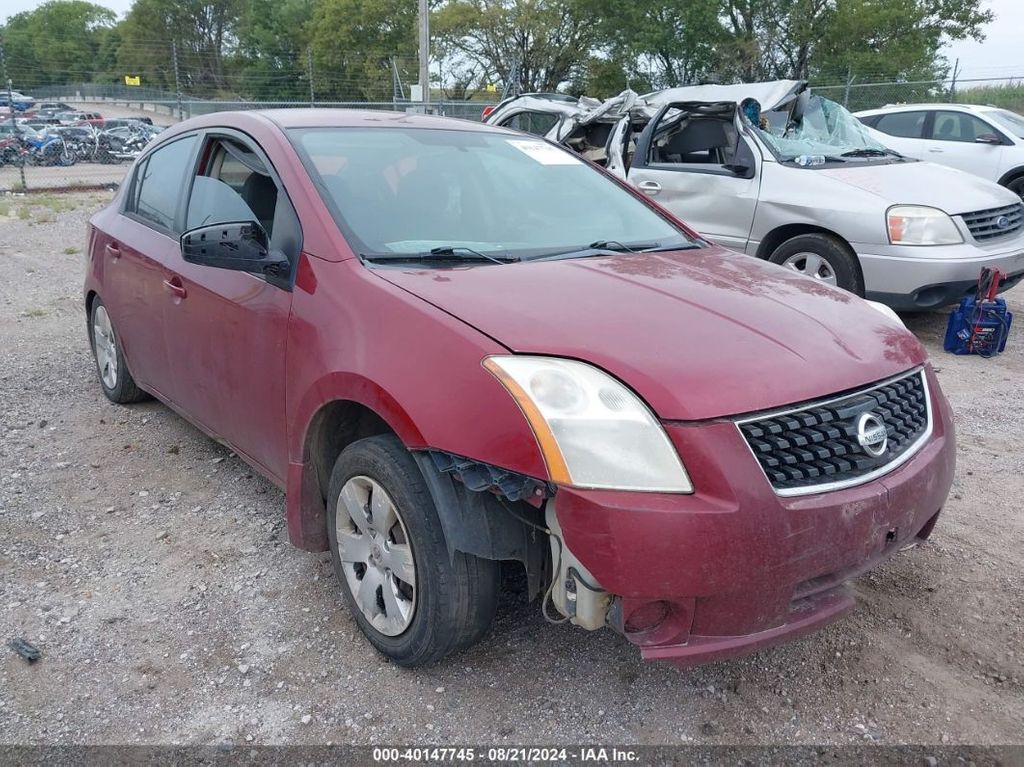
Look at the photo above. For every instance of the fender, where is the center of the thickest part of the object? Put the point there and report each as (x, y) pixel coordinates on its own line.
(351, 387)
(1010, 175)
(304, 503)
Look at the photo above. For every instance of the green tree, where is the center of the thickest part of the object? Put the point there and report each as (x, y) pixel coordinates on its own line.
(661, 42)
(892, 39)
(359, 45)
(58, 42)
(538, 43)
(270, 60)
(767, 39)
(203, 31)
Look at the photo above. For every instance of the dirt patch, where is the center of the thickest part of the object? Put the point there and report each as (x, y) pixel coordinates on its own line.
(152, 569)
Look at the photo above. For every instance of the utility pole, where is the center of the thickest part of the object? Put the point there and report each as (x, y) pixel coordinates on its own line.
(952, 85)
(425, 52)
(10, 111)
(309, 64)
(177, 79)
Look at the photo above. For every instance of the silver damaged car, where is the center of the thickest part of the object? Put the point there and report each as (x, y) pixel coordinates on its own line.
(777, 172)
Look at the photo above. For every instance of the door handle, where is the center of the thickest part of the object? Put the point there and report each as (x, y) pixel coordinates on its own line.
(112, 250)
(649, 187)
(175, 288)
(937, 151)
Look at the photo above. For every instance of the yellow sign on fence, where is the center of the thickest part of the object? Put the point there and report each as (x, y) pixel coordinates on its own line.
(492, 88)
(132, 80)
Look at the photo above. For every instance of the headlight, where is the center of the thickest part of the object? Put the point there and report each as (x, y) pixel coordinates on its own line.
(918, 225)
(887, 311)
(592, 430)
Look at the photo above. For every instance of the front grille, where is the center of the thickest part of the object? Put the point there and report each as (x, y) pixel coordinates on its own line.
(818, 447)
(994, 222)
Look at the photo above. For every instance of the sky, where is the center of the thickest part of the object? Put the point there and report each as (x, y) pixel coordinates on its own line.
(999, 56)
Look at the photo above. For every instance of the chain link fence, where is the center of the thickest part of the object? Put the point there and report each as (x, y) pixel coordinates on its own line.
(122, 119)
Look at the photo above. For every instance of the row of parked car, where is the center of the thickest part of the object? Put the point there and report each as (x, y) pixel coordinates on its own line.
(776, 171)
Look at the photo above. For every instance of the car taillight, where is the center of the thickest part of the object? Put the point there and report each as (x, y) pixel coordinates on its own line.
(487, 111)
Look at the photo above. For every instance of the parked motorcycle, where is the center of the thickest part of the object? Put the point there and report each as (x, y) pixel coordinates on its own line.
(45, 148)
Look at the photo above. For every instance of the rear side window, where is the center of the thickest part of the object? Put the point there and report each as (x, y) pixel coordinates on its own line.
(158, 183)
(902, 124)
(957, 126)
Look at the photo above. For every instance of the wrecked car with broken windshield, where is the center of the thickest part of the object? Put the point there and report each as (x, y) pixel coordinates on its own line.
(777, 172)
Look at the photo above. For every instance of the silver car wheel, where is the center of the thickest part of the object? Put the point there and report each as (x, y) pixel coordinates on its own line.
(104, 347)
(812, 265)
(376, 555)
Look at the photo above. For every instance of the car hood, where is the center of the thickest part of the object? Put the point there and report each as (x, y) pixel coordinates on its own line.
(924, 183)
(698, 334)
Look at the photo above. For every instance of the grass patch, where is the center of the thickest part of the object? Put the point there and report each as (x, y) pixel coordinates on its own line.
(71, 251)
(53, 202)
(1007, 96)
(35, 313)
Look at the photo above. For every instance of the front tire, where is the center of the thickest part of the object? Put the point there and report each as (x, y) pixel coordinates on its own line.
(821, 257)
(414, 602)
(115, 380)
(1017, 187)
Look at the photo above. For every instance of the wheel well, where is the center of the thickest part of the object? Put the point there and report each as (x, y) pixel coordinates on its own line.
(334, 427)
(1012, 175)
(778, 236)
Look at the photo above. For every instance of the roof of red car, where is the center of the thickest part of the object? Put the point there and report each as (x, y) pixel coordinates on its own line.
(332, 118)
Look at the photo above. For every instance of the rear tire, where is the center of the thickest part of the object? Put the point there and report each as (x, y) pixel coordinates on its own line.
(387, 524)
(115, 380)
(822, 257)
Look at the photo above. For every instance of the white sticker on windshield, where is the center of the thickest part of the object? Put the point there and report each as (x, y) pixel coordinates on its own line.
(544, 153)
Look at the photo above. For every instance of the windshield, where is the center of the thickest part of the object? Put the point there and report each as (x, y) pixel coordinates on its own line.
(826, 129)
(1010, 120)
(410, 191)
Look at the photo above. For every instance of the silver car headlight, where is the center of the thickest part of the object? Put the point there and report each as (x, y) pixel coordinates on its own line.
(592, 431)
(920, 225)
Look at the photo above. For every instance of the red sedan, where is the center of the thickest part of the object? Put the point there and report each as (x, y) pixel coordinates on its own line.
(455, 345)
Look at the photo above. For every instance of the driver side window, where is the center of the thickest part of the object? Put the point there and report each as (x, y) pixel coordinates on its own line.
(233, 185)
(696, 141)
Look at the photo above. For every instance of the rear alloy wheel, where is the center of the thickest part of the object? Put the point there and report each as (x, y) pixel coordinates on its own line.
(115, 380)
(414, 601)
(823, 258)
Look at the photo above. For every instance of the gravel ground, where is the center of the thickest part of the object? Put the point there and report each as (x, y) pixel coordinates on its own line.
(152, 569)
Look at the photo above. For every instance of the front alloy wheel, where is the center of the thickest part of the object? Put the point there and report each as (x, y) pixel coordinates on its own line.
(822, 257)
(415, 600)
(812, 265)
(377, 559)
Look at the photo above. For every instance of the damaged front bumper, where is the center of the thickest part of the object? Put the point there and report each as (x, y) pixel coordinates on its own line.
(735, 567)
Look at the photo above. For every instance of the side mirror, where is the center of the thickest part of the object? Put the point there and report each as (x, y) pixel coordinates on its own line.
(988, 138)
(743, 163)
(239, 245)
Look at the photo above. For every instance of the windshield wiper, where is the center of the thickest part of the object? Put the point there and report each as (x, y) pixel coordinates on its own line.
(619, 247)
(447, 253)
(612, 248)
(870, 152)
(468, 254)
